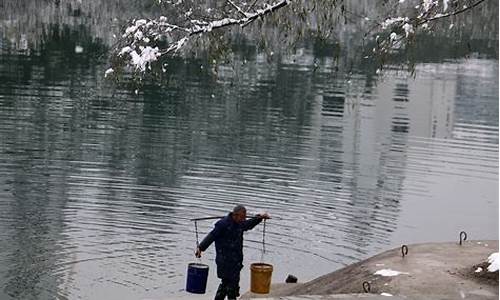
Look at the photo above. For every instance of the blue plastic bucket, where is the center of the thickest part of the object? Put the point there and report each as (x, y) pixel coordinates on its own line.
(197, 275)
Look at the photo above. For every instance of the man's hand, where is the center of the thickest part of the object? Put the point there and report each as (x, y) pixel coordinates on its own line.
(264, 216)
(197, 253)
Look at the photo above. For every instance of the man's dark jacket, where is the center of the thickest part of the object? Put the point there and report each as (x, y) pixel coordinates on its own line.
(228, 237)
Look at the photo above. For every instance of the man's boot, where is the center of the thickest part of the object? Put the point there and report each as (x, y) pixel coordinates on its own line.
(221, 292)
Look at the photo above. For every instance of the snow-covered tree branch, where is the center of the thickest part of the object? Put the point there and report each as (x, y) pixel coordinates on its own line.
(144, 41)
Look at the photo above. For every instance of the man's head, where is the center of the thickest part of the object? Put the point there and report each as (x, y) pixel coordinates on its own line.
(239, 213)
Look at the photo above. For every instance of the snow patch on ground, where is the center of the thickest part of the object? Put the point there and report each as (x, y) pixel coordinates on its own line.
(389, 272)
(494, 260)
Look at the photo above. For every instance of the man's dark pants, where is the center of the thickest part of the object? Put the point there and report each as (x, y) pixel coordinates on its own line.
(229, 288)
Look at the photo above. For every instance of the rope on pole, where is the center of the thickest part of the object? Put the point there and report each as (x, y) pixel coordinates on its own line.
(263, 241)
(196, 230)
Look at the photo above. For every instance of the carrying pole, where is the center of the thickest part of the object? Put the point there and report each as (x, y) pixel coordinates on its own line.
(218, 217)
(207, 218)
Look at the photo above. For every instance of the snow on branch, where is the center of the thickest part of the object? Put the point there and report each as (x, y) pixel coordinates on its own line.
(453, 13)
(238, 8)
(145, 41)
(402, 28)
(249, 18)
(140, 37)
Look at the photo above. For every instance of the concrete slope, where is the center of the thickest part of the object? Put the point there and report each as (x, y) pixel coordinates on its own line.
(335, 297)
(433, 270)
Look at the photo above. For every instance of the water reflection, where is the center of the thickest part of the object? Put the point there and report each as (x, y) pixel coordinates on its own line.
(97, 184)
(32, 214)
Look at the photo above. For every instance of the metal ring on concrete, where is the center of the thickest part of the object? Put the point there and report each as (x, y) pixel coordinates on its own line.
(366, 287)
(464, 234)
(404, 250)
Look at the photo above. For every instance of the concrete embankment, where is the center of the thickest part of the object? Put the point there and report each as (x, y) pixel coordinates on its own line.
(428, 271)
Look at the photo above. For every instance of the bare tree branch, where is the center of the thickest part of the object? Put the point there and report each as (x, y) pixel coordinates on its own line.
(238, 8)
(451, 14)
(218, 24)
(253, 4)
(243, 22)
(141, 51)
(267, 10)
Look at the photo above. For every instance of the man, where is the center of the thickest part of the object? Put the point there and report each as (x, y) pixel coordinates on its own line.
(228, 237)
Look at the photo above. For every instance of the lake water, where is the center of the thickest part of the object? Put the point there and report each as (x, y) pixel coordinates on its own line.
(98, 181)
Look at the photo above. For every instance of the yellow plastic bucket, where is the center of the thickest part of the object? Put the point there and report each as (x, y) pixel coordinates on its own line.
(260, 278)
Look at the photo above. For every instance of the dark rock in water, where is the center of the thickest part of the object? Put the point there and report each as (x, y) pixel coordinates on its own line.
(291, 279)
